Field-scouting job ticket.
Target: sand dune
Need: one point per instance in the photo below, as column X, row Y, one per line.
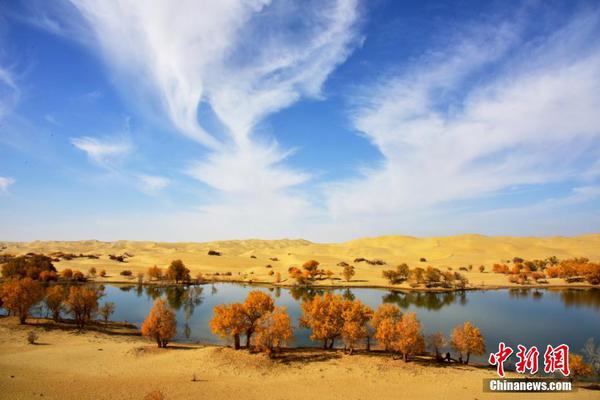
column 247, row 259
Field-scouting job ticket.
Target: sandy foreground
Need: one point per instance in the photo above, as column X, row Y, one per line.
column 94, row 365
column 247, row 260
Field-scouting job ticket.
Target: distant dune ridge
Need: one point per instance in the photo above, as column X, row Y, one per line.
column 247, row 259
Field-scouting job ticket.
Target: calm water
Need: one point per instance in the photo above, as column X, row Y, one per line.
column 523, row 316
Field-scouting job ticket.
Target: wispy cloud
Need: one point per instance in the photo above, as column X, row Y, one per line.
column 152, row 184
column 104, row 152
column 449, row 130
column 9, row 92
column 5, row 183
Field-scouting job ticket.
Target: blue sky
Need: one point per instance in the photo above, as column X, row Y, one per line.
column 327, row 120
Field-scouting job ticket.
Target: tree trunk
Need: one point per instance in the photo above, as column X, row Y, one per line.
column 248, row 337
column 467, row 360
column 325, row 343
column 331, row 344
column 22, row 318
column 158, row 342
column 368, row 343
column 236, row 341
column 405, row 357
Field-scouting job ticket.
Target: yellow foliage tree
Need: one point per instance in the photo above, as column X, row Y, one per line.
column 160, row 324
column 273, row 330
column 255, row 306
column 579, row 367
column 55, row 298
column 82, row 303
column 409, row 339
column 467, row 339
column 229, row 320
column 356, row 318
column 384, row 323
column 323, row 316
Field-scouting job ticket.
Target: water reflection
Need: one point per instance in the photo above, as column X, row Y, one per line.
column 427, row 300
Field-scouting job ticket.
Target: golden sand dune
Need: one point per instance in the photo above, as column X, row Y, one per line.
column 247, row 259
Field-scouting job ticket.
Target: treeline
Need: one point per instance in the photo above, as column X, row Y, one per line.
column 332, row 318
column 429, row 277
column 18, row 296
column 571, row 270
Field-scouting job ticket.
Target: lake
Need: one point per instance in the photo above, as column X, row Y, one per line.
column 515, row 316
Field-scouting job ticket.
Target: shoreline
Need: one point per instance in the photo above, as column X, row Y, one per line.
column 96, row 365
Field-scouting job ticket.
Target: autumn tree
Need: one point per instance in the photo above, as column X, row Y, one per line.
column 273, row 330
column 323, row 315
column 312, row 269
column 26, row 266
column 398, row 275
column 178, row 272
column 82, row 303
column 92, row 271
column 348, row 272
column 55, row 298
column 255, row 306
column 155, row 273
column 409, row 338
column 436, row 341
column 384, row 323
column 160, row 324
column 578, row 366
column 67, row 273
column 467, row 339
column 356, row 318
column 229, row 321
column 107, row 309
column 19, row 295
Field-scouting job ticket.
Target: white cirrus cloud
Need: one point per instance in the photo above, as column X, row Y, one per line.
column 104, row 152
column 489, row 113
column 152, row 183
column 9, row 92
column 5, row 182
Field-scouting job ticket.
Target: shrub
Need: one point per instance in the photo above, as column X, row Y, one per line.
column 78, row 276
column 155, row 395
column 32, row 337
column 160, row 324
column 82, row 303
column 500, row 268
column 103, row 273
column 481, row 268
column 126, row 272
column 277, row 277
column 48, row 276
column 19, row 295
column 213, row 253
column 273, row 330
column 467, row 339
column 422, row 259
column 271, row 272
column 92, row 271
column 67, row 273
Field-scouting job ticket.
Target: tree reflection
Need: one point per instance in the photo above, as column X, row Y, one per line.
column 578, row 298
column 427, row 300
column 304, row 293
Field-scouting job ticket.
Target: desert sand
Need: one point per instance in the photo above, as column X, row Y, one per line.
column 94, row 365
column 237, row 256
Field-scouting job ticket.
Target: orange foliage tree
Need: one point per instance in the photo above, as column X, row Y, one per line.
column 467, row 339
column 578, row 367
column 409, row 338
column 324, row 316
column 178, row 272
column 356, row 318
column 255, row 306
column 384, row 323
column 228, row 320
column 273, row 330
column 312, row 269
column 82, row 303
column 55, row 298
column 19, row 295
column 436, row 341
column 160, row 324
column 348, row 272
column 155, row 273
